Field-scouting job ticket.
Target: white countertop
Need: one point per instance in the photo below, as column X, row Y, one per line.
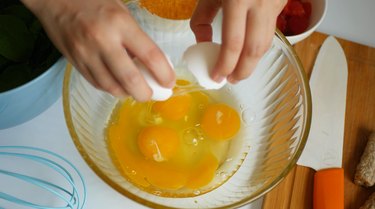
column 347, row 19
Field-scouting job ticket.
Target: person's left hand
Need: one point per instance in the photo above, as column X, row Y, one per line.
column 99, row 38
column 247, row 32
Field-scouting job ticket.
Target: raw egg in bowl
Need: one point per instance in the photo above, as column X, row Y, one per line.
column 200, row 148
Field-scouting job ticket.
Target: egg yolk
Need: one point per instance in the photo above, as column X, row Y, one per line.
column 158, row 143
column 203, row 173
column 177, row 144
column 175, row 108
column 180, row 83
column 165, row 177
column 220, row 122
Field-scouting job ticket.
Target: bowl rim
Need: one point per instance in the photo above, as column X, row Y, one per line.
column 34, row 80
column 142, row 201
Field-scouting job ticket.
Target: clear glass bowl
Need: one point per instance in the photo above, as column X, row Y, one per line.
column 275, row 107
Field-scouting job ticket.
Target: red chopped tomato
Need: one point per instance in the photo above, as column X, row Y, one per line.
column 295, row 17
column 297, row 25
column 286, row 10
column 281, row 23
column 296, row 9
column 307, row 8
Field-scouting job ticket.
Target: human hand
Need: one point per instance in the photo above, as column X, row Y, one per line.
column 247, row 32
column 97, row 36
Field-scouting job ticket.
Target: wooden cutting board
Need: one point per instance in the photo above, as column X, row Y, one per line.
column 295, row 191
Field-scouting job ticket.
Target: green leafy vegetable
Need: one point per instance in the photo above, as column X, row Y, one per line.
column 25, row 49
column 7, row 3
column 16, row 41
column 14, row 75
column 43, row 56
column 3, row 62
column 35, row 28
column 19, row 11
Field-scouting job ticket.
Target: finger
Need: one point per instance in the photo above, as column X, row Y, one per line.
column 104, row 79
column 233, row 35
column 149, row 54
column 203, row 16
column 83, row 69
column 92, row 68
column 259, row 33
column 86, row 73
column 127, row 74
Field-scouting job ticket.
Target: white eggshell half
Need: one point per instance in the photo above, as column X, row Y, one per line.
column 201, row 59
column 159, row 93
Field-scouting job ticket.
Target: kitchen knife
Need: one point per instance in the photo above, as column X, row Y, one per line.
column 323, row 149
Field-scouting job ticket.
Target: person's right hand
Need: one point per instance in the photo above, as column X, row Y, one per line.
column 96, row 36
column 248, row 29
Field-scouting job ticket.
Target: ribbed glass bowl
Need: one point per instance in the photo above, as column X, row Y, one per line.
column 275, row 108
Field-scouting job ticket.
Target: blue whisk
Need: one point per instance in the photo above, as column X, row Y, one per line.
column 32, row 177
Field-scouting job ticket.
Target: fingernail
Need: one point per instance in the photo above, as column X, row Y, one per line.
column 218, row 78
column 171, row 84
column 119, row 93
column 232, row 80
column 171, row 78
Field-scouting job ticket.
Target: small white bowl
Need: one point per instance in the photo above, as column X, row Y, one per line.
column 318, row 12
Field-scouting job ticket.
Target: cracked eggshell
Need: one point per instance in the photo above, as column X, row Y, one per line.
column 201, row 59
column 159, row 93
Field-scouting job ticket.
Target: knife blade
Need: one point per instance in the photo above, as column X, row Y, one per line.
column 324, row 146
